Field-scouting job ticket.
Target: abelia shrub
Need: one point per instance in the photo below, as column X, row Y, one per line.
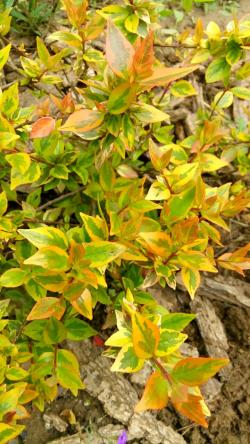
column 100, row 199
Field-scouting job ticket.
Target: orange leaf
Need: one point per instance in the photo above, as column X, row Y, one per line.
column 146, row 336
column 42, row 127
column 163, row 76
column 47, row 307
column 83, row 304
column 157, row 242
column 144, row 57
column 119, row 52
column 197, row 371
column 155, row 395
column 192, row 409
column 83, row 121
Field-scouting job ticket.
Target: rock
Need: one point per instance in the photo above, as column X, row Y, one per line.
column 141, row 377
column 212, row 330
column 71, row 439
column 53, row 421
column 111, row 431
column 211, row 391
column 146, row 425
column 118, row 398
column 189, row 350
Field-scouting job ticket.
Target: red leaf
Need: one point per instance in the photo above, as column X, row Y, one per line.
column 144, row 57
column 192, row 409
column 98, row 341
column 42, row 127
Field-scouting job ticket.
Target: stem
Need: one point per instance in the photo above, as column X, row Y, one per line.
column 162, row 370
column 177, row 46
column 216, row 103
column 59, row 198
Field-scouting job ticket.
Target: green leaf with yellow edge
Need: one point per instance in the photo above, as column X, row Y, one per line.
column 7, row 432
column 78, row 330
column 10, row 100
column 51, row 258
column 218, row 70
column 121, row 98
column 132, row 23
column 210, row 162
column 45, row 237
column 95, row 226
column 3, row 203
column 197, row 371
column 16, row 373
column 183, row 88
column 101, row 253
column 191, row 279
column 176, row 321
column 54, row 331
column 67, row 371
column 241, row 91
column 148, row 114
column 170, row 341
column 183, row 175
column 143, row 206
column 196, row 260
column 4, row 55
column 127, row 361
column 20, row 162
column 146, row 336
column 157, row 242
column 47, row 307
column 13, row 277
column 83, row 304
column 119, row 338
column 158, row 191
column 9, row 401
column 31, row 175
column 180, row 205
column 119, row 52
column 155, row 395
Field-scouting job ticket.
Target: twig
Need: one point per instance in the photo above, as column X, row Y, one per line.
column 163, row 370
column 59, row 198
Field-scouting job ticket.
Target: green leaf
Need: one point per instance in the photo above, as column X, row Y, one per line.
column 241, row 92
column 148, row 113
column 51, row 258
column 20, row 162
column 121, row 98
column 197, row 371
column 144, row 206
column 100, row 253
column 13, row 278
column 54, row 331
column 4, row 55
column 10, row 100
column 176, row 321
column 67, row 371
column 16, row 373
column 95, row 227
column 78, row 330
column 218, row 70
column 182, row 88
column 45, row 237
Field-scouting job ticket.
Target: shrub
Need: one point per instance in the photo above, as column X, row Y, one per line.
column 101, row 199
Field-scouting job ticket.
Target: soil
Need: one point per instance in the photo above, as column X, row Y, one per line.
column 230, row 405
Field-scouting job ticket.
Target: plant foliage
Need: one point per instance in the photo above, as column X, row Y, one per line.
column 100, row 199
